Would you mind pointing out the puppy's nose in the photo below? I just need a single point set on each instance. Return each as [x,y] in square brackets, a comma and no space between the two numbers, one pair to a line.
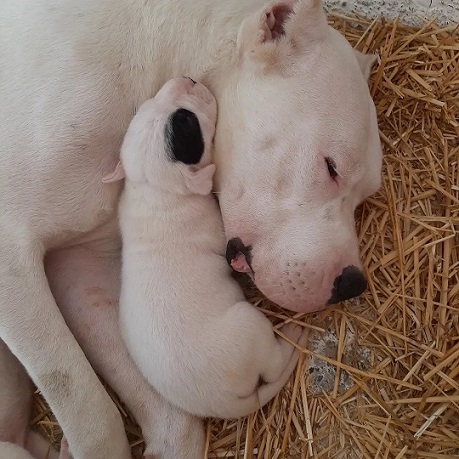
[236,247]
[349,284]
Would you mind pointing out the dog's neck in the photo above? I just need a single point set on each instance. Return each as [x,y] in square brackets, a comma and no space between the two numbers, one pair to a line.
[210,26]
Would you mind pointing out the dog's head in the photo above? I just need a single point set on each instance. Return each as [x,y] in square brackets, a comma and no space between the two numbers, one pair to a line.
[302,152]
[168,142]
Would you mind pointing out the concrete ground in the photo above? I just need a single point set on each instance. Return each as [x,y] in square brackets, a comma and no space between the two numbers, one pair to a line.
[410,12]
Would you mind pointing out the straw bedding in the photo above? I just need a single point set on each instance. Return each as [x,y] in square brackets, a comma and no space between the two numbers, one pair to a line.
[380,379]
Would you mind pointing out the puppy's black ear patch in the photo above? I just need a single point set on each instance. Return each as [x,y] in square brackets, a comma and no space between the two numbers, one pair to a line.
[184,137]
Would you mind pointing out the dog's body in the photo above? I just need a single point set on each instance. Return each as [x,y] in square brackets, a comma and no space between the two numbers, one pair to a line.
[296,149]
[211,347]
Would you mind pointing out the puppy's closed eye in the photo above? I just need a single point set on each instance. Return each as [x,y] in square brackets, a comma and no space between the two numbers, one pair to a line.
[183,137]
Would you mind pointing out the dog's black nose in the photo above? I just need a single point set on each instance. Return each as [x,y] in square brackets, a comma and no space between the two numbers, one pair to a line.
[349,284]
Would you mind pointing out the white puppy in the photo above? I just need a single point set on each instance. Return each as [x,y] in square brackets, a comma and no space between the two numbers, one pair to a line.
[184,319]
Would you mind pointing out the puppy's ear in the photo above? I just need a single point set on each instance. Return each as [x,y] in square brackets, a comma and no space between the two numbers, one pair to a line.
[366,62]
[199,181]
[284,26]
[117,174]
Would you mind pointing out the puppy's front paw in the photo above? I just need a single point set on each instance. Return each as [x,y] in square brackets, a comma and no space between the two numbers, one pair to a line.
[294,333]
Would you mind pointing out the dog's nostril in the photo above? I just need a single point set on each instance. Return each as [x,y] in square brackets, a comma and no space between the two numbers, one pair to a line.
[194,82]
[349,284]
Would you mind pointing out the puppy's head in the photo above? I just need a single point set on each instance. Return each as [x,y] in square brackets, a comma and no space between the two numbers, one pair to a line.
[169,140]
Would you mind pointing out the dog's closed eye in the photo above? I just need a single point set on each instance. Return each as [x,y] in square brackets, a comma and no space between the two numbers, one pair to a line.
[331,166]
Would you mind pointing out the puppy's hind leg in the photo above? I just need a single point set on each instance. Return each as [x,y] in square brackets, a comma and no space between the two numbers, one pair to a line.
[273,357]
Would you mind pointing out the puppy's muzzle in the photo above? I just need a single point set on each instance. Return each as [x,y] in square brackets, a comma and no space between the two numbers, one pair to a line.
[239,256]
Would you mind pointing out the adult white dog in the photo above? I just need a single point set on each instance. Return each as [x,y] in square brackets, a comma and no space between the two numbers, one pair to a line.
[185,321]
[296,147]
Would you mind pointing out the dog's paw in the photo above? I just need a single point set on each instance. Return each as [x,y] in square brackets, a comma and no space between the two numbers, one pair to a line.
[294,333]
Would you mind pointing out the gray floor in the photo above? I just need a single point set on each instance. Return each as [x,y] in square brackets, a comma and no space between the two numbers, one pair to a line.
[409,11]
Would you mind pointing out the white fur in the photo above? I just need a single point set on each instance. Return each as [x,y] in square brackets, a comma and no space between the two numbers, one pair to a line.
[72,74]
[177,297]
[13,451]
[36,447]
[17,441]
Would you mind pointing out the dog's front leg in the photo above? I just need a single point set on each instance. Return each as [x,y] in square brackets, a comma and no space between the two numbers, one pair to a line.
[33,328]
[85,282]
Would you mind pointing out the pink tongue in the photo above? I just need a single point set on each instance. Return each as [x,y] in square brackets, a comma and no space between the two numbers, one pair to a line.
[240,264]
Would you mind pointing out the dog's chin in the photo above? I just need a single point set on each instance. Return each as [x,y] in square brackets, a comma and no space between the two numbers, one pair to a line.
[289,297]
[295,305]
[253,293]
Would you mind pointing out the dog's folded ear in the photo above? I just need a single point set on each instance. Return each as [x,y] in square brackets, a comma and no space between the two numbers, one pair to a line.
[281,29]
[117,174]
[199,181]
